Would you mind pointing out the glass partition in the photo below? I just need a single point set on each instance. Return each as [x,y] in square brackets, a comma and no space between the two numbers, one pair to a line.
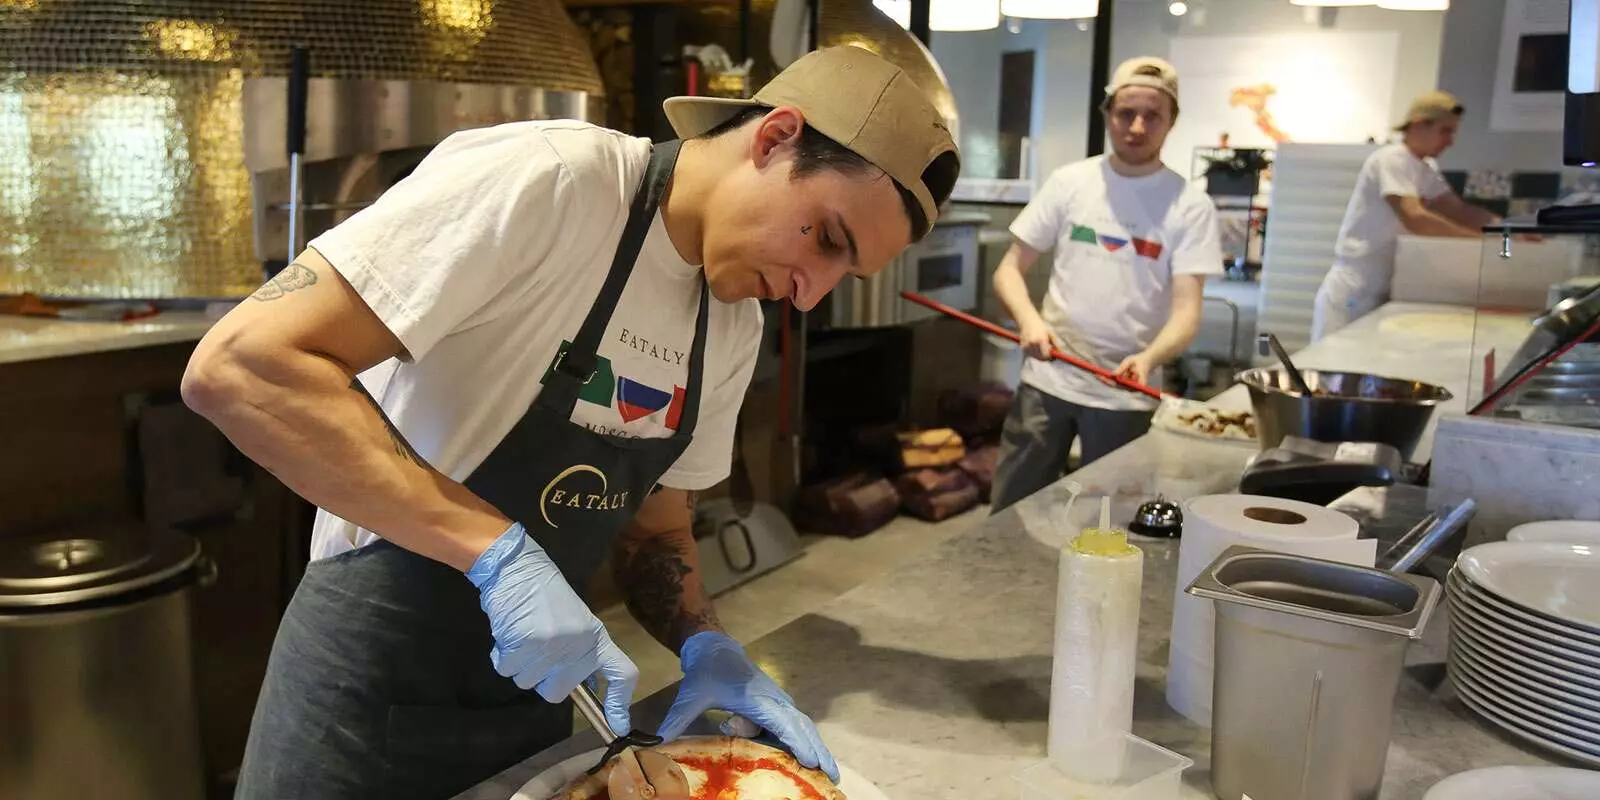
[1538,296]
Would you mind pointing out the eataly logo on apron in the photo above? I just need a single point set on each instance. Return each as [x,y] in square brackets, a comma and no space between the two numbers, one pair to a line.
[554,495]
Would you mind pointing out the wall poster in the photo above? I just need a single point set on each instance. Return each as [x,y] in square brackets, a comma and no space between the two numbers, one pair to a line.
[1265,90]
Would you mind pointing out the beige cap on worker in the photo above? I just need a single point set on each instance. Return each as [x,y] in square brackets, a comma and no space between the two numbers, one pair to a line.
[858,99]
[1431,107]
[1145,71]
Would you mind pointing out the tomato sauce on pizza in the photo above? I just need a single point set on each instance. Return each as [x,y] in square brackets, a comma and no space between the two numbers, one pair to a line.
[724,776]
[726,768]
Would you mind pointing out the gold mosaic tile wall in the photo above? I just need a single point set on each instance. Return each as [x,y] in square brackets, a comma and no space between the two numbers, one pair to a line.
[121,144]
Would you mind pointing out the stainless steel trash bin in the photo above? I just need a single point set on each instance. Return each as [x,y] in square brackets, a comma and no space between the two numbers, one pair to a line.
[96,667]
[1308,662]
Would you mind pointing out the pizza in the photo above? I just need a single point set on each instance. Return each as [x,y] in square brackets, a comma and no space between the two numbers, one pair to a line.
[725,768]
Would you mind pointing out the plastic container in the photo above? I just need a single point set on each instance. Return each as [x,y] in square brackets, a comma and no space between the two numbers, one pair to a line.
[1148,772]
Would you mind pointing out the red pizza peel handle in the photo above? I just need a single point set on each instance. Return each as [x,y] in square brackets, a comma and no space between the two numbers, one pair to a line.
[990,327]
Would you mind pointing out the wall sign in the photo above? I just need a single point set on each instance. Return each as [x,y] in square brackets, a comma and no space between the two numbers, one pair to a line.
[1263,91]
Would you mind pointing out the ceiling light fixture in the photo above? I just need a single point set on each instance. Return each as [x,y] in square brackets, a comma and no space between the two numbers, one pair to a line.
[1177,8]
[964,15]
[897,10]
[1051,9]
[1415,5]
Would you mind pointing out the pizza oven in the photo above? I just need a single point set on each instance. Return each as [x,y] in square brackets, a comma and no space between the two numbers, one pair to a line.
[143,146]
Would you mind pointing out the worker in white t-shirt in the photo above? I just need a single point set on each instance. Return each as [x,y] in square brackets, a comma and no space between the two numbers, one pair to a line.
[1133,245]
[1398,191]
[527,357]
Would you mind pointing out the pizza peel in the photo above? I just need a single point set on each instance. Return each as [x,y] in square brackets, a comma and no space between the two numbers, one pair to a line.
[989,327]
[545,785]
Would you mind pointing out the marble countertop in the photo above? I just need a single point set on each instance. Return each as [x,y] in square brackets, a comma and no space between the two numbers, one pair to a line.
[34,338]
[933,680]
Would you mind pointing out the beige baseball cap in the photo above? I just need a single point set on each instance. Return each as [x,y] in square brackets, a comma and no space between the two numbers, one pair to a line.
[1145,71]
[1431,107]
[860,100]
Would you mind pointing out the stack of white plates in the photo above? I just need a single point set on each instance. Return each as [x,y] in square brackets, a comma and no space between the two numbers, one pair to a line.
[1571,531]
[1525,641]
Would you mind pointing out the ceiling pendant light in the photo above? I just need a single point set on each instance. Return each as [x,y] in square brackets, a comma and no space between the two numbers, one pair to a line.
[897,10]
[964,15]
[1415,5]
[1051,9]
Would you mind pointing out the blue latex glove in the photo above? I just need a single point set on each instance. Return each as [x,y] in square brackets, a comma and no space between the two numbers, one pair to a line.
[717,674]
[545,637]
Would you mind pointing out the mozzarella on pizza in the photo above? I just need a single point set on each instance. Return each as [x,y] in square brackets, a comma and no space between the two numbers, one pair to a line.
[726,768]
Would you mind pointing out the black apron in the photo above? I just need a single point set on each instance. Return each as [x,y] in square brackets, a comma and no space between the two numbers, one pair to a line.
[379,683]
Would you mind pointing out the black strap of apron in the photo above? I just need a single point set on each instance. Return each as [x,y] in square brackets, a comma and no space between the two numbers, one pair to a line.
[697,359]
[582,358]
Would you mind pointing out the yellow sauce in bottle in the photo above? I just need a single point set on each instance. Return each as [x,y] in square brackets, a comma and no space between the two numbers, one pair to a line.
[1107,542]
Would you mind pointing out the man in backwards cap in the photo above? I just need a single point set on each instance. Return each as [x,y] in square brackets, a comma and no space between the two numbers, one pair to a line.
[1398,191]
[1133,245]
[526,356]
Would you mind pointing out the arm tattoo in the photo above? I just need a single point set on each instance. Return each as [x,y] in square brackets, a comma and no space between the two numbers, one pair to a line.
[402,447]
[293,277]
[655,575]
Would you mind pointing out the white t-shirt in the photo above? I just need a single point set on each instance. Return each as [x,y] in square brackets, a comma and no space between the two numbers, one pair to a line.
[1371,229]
[487,258]
[1118,241]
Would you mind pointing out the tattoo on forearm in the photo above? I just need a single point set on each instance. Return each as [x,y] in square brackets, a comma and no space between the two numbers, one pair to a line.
[294,277]
[402,447]
[652,575]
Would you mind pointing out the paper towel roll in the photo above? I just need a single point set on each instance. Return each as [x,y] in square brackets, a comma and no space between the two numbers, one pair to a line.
[1212,524]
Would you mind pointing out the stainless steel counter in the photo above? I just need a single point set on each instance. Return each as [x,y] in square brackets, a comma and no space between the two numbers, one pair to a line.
[933,680]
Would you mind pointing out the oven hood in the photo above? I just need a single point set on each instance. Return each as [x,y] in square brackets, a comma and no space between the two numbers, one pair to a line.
[137,139]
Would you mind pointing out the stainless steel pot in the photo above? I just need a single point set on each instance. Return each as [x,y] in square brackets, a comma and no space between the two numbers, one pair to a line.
[1308,663]
[1344,407]
[97,677]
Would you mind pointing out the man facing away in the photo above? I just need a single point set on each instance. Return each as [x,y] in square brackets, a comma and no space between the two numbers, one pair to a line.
[1398,191]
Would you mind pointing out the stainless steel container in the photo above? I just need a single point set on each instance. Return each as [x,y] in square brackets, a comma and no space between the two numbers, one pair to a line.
[1309,655]
[1344,407]
[96,673]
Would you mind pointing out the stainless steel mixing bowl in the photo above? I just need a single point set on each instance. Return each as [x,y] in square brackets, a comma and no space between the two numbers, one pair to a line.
[1344,407]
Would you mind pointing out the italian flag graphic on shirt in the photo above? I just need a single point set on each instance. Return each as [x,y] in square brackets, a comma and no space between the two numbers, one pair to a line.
[1088,235]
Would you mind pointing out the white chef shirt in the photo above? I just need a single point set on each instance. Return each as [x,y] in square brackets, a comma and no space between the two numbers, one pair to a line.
[1118,242]
[487,258]
[1371,229]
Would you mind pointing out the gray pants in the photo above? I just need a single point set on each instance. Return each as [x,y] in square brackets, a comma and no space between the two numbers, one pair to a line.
[1038,438]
